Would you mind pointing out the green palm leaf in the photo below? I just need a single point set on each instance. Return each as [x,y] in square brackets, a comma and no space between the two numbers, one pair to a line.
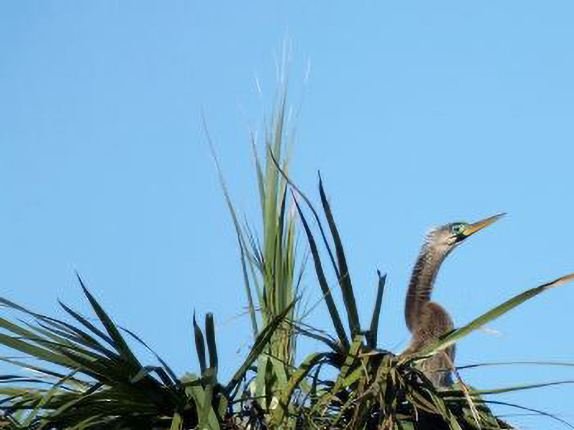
[492,315]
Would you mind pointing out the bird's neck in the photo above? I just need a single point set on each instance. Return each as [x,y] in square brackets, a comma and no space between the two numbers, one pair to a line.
[422,280]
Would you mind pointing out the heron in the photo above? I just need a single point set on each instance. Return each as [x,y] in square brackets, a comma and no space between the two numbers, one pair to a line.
[427,320]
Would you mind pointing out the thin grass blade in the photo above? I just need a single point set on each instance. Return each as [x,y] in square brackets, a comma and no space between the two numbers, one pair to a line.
[537,411]
[82,320]
[236,224]
[331,307]
[210,339]
[313,211]
[344,275]
[258,347]
[478,393]
[374,328]
[199,346]
[301,373]
[119,342]
[516,363]
[492,315]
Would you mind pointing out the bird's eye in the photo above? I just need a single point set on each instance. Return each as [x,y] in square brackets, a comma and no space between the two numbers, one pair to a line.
[457,228]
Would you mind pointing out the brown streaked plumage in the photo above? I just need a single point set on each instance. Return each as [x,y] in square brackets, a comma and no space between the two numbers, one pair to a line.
[427,320]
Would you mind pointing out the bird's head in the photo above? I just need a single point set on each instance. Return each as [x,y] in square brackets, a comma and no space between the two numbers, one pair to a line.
[447,237]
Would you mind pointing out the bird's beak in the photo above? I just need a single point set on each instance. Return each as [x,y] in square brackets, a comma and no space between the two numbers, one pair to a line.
[477,226]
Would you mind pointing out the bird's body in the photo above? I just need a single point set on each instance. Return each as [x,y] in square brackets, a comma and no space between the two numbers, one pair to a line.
[426,320]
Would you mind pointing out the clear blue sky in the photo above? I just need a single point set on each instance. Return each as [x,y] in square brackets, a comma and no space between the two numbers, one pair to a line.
[417,113]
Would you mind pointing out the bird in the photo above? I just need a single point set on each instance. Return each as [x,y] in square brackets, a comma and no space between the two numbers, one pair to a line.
[427,320]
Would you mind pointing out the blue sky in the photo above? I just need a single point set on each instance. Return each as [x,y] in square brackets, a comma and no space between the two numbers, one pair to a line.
[417,114]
